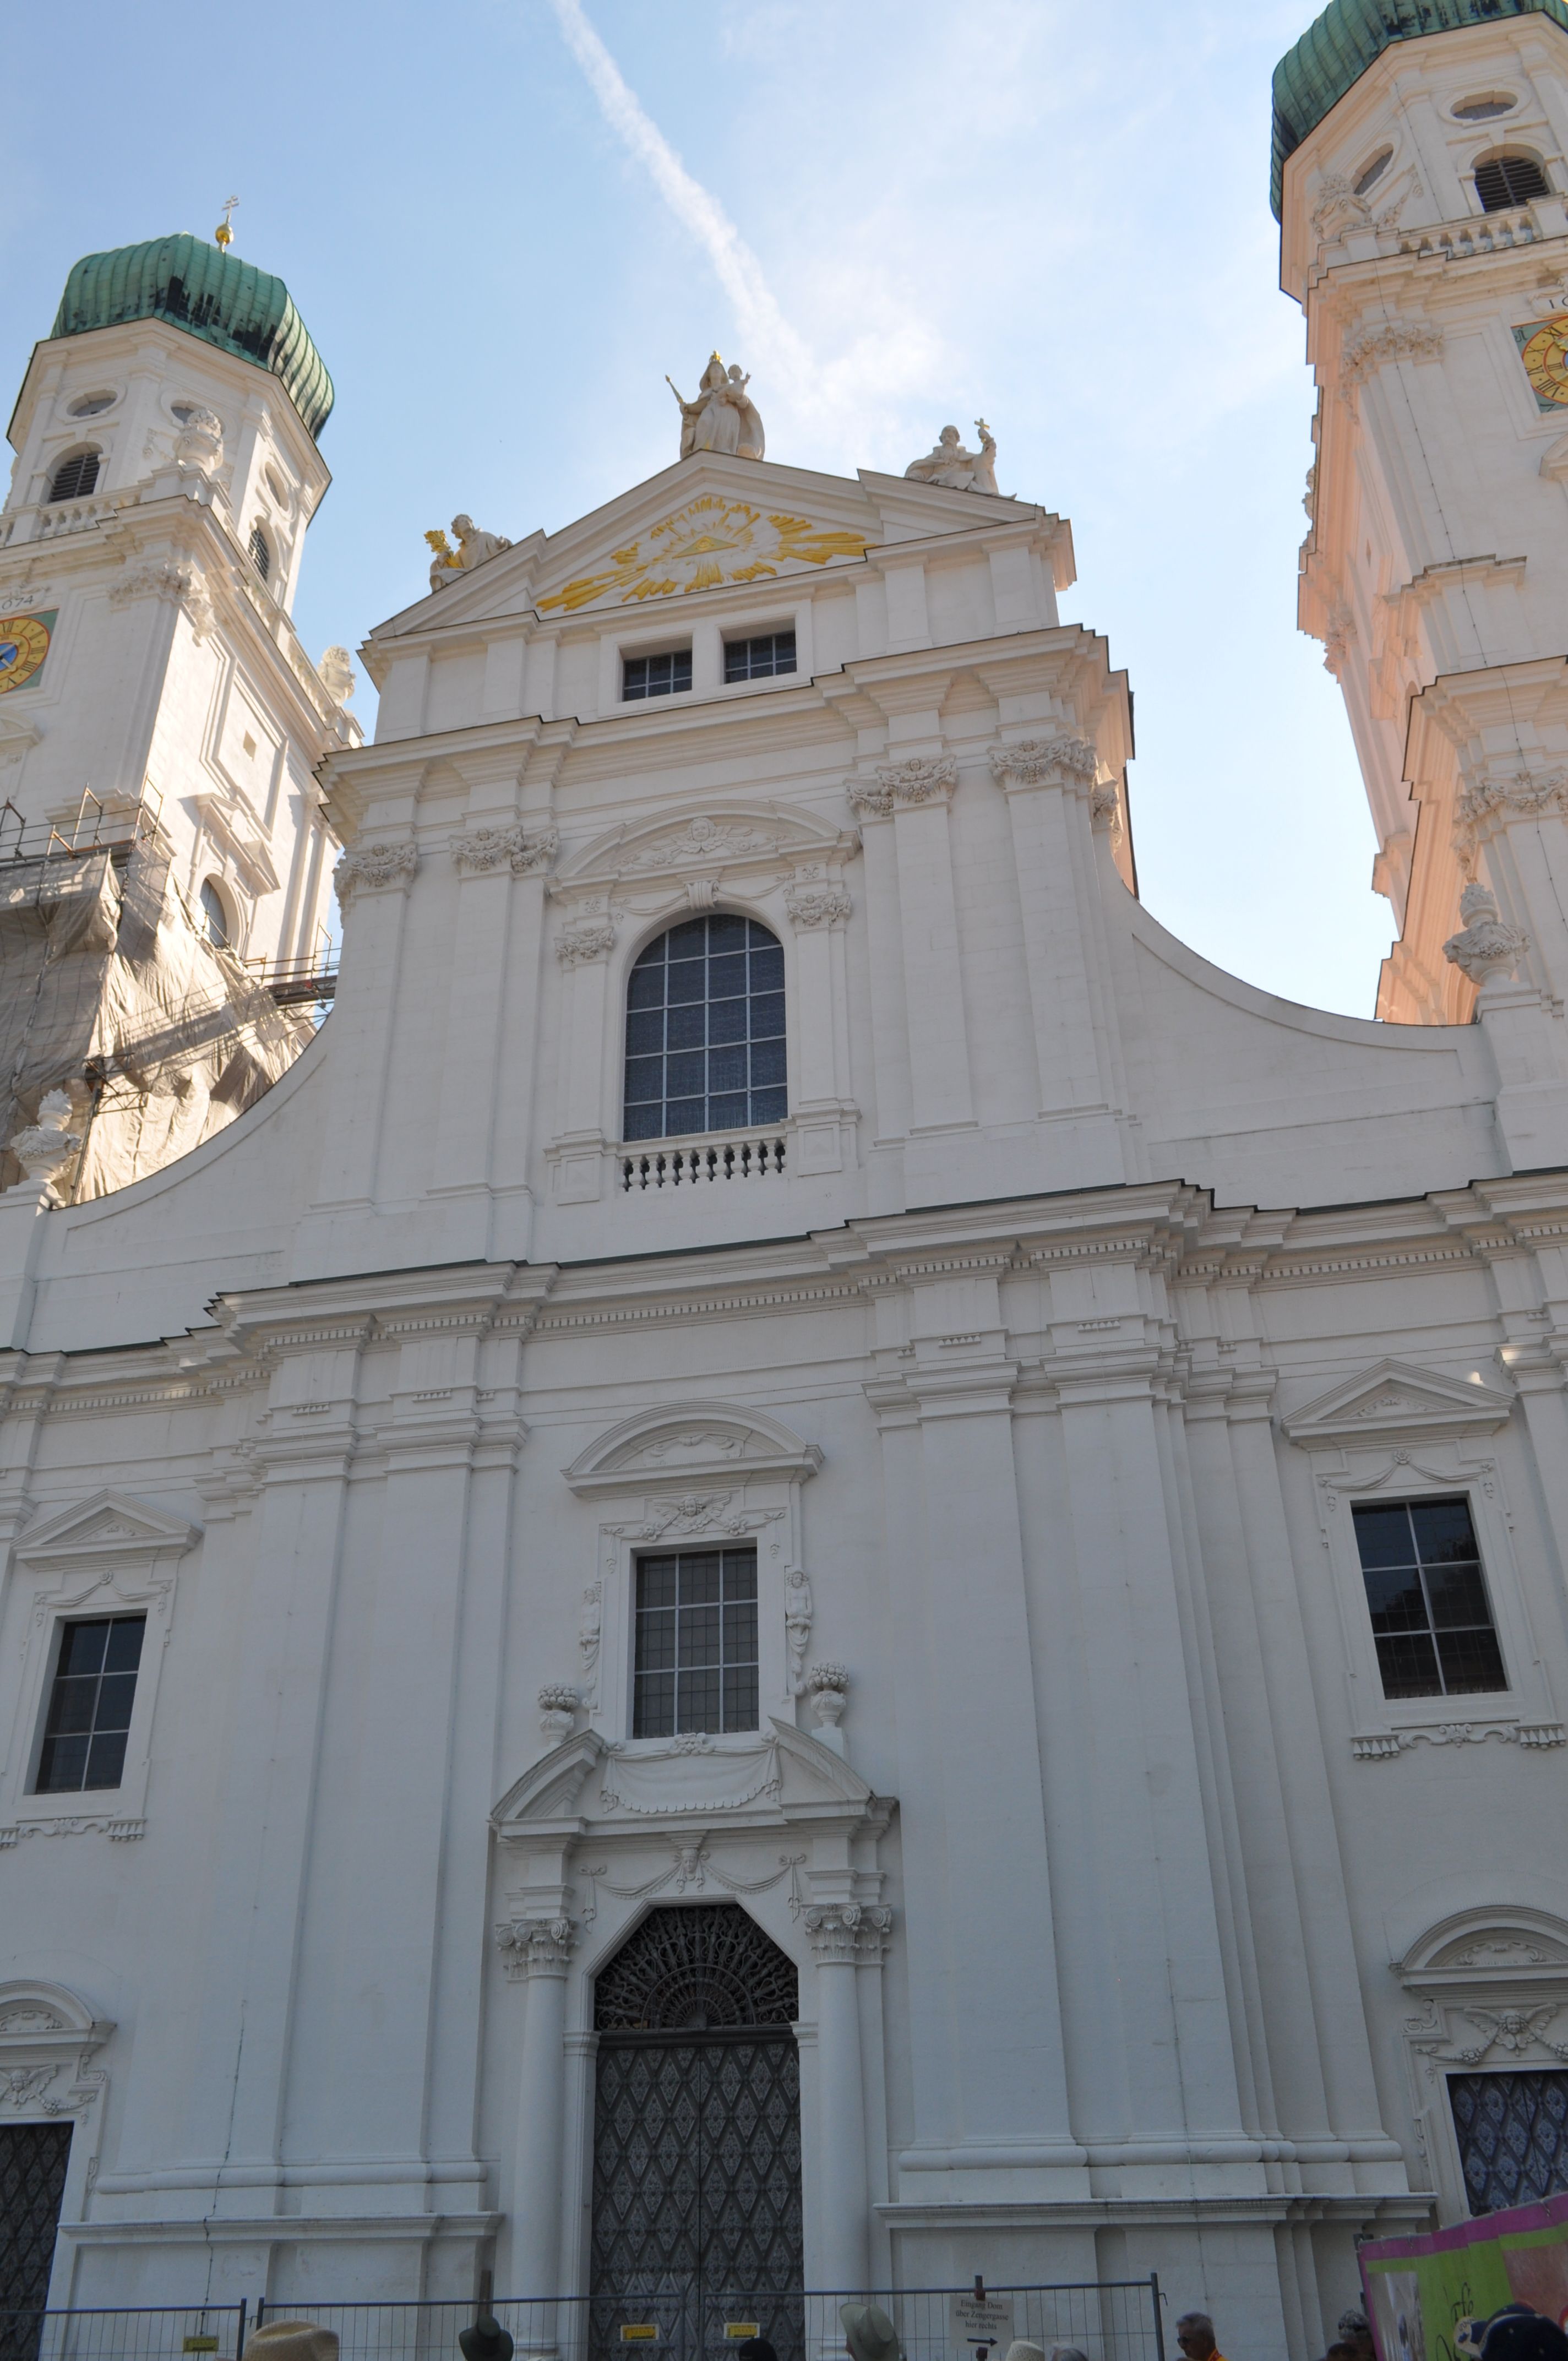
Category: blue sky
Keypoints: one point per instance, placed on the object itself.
(894, 214)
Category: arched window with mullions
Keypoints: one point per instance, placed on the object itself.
(704, 1030)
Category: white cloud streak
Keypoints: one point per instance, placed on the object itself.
(833, 397)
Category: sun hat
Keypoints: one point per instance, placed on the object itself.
(869, 2332)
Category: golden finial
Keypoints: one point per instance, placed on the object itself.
(223, 233)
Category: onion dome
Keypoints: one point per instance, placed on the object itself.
(1350, 36)
(206, 293)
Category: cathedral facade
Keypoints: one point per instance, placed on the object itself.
(797, 1457)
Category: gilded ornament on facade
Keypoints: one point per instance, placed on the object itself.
(24, 644)
(1544, 352)
(710, 541)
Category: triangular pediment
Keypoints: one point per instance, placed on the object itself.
(110, 1526)
(1392, 1399)
(781, 1774)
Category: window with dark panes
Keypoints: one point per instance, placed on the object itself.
(663, 676)
(1427, 1594)
(704, 1030)
(89, 1704)
(75, 477)
(762, 657)
(695, 1660)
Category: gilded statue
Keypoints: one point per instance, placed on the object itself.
(954, 467)
(723, 417)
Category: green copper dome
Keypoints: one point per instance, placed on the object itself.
(1347, 38)
(196, 287)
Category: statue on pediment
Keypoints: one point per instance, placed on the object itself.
(473, 548)
(955, 468)
(723, 417)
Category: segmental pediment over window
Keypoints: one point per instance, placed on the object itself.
(743, 841)
(676, 1445)
(1390, 1401)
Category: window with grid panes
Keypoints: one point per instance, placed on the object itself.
(1431, 1617)
(90, 1703)
(758, 658)
(662, 675)
(704, 1030)
(695, 1658)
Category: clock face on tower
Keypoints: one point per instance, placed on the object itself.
(23, 644)
(1544, 352)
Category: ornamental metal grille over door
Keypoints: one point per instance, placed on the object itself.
(696, 2208)
(1513, 2137)
(33, 2159)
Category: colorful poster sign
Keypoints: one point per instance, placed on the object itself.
(24, 644)
(1429, 2298)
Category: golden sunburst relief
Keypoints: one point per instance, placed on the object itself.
(708, 541)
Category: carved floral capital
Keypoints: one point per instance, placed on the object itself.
(487, 848)
(535, 1947)
(594, 939)
(1041, 762)
(1371, 348)
(818, 905)
(375, 869)
(920, 779)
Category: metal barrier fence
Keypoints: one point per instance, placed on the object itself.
(1105, 2321)
(210, 2331)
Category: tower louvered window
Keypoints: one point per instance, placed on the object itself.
(1509, 180)
(75, 477)
(260, 555)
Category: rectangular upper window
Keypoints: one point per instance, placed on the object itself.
(89, 1716)
(662, 675)
(760, 658)
(695, 1664)
(1430, 1616)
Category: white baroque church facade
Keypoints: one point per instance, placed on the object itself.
(797, 1443)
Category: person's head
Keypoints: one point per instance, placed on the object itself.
(948, 438)
(1065, 2353)
(868, 2334)
(1516, 2334)
(462, 526)
(755, 2348)
(1022, 2350)
(1195, 2335)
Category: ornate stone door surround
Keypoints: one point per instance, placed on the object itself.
(1486, 1992)
(776, 1821)
(48, 2040)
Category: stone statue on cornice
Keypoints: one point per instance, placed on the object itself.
(955, 468)
(473, 548)
(723, 417)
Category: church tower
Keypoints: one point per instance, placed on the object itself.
(1421, 184)
(164, 871)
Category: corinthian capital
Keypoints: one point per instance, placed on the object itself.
(535, 1947)
(375, 869)
(1036, 761)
